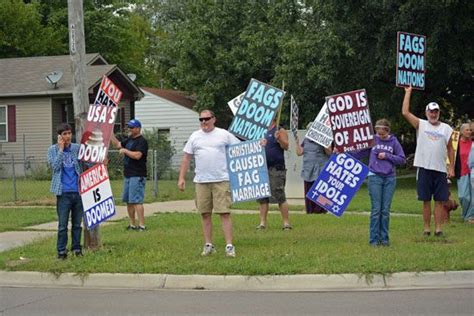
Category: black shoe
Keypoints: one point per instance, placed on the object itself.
(62, 256)
(131, 227)
(439, 234)
(426, 234)
(78, 253)
(141, 228)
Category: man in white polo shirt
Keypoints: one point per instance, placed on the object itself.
(433, 146)
(207, 145)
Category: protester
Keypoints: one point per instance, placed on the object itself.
(433, 146)
(134, 150)
(471, 166)
(315, 157)
(66, 168)
(275, 142)
(208, 146)
(463, 173)
(386, 154)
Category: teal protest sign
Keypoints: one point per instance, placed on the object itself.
(256, 111)
(248, 174)
(411, 60)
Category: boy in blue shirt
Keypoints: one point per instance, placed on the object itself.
(66, 168)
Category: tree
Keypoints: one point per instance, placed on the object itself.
(318, 48)
(22, 33)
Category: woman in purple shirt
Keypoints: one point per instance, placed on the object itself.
(383, 157)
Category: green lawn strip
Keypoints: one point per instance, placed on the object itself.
(30, 192)
(18, 218)
(404, 201)
(317, 244)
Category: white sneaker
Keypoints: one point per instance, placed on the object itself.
(208, 249)
(230, 251)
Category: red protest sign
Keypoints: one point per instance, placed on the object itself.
(350, 120)
(99, 125)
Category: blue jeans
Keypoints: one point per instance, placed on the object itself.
(69, 202)
(466, 197)
(381, 190)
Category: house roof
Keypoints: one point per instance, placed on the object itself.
(179, 97)
(26, 76)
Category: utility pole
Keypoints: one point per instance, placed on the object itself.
(80, 95)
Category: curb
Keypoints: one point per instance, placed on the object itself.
(300, 283)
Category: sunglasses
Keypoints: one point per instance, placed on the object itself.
(205, 119)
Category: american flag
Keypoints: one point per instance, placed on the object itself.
(294, 117)
(324, 201)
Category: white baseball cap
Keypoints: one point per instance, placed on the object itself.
(432, 106)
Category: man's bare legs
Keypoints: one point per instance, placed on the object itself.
(131, 214)
(227, 227)
(438, 215)
(284, 210)
(263, 214)
(206, 220)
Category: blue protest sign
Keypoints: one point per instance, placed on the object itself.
(256, 111)
(248, 174)
(411, 60)
(337, 184)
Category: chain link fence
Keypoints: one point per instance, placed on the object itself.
(27, 181)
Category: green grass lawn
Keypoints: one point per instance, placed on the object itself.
(317, 244)
(31, 192)
(18, 218)
(404, 200)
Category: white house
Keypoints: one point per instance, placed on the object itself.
(170, 112)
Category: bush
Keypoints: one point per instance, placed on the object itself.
(161, 144)
(41, 172)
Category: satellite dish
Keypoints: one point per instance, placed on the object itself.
(54, 77)
(132, 76)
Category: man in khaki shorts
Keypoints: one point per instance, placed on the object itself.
(207, 145)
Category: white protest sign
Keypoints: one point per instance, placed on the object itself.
(320, 131)
(235, 102)
(96, 195)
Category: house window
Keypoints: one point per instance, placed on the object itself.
(3, 123)
(164, 133)
(119, 121)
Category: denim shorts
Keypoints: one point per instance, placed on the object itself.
(134, 190)
(431, 183)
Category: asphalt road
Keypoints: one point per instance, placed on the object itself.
(63, 301)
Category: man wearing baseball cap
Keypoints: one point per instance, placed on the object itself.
(433, 146)
(134, 150)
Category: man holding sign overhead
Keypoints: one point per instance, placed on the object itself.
(433, 145)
